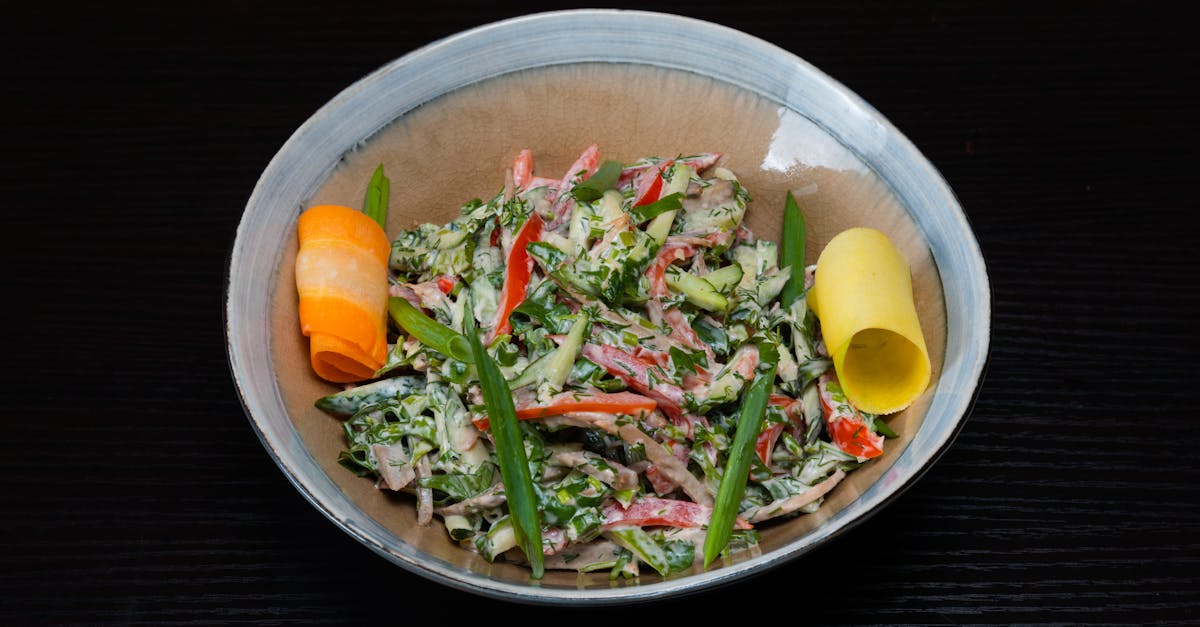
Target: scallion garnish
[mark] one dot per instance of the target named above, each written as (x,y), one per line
(791,251)
(510,451)
(737,466)
(375,205)
(428,331)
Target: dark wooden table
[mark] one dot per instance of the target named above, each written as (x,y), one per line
(135,491)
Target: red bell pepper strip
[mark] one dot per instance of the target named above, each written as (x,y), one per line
(682,332)
(626,403)
(661,483)
(541,181)
(446,283)
(656,273)
(845,423)
(637,374)
(766,442)
(516,279)
(523,169)
(648,185)
(651,511)
(779,400)
(584,166)
(696,162)
(614,403)
(769,435)
(651,357)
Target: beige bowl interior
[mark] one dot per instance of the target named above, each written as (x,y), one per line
(457,147)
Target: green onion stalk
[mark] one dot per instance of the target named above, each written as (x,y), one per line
(375,204)
(428,331)
(510,450)
(737,466)
(791,251)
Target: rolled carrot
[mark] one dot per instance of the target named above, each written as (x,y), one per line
(341,279)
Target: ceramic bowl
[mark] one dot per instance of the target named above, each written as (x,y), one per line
(447,118)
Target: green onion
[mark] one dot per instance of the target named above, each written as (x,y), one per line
(430,332)
(791,251)
(595,185)
(741,452)
(670,202)
(375,205)
(510,450)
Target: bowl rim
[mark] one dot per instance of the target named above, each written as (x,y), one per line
(281,445)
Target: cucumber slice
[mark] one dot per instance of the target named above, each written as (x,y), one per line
(660,227)
(723,279)
(347,402)
(553,367)
(497,540)
(698,291)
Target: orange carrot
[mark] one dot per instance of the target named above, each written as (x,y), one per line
(341,278)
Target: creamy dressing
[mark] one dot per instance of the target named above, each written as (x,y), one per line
(458,146)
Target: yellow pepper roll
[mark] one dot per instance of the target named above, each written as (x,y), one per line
(342,281)
(862,295)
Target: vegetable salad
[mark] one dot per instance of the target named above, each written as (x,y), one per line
(603,371)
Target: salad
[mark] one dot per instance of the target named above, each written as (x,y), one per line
(603,371)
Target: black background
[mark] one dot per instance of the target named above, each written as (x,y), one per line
(135,491)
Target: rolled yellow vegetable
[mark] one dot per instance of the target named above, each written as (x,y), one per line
(862,295)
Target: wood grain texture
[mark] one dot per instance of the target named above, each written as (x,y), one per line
(136,492)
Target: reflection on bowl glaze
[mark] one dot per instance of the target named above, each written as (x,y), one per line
(798,143)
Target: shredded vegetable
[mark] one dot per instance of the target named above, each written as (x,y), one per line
(603,369)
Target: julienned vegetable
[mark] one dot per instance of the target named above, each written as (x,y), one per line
(516,278)
(604,370)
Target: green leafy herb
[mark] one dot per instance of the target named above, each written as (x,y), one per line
(670,202)
(680,554)
(542,306)
(594,186)
(881,427)
(460,486)
(714,336)
(510,451)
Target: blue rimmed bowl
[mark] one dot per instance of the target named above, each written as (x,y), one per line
(445,120)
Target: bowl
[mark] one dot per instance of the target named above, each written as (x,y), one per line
(447,118)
